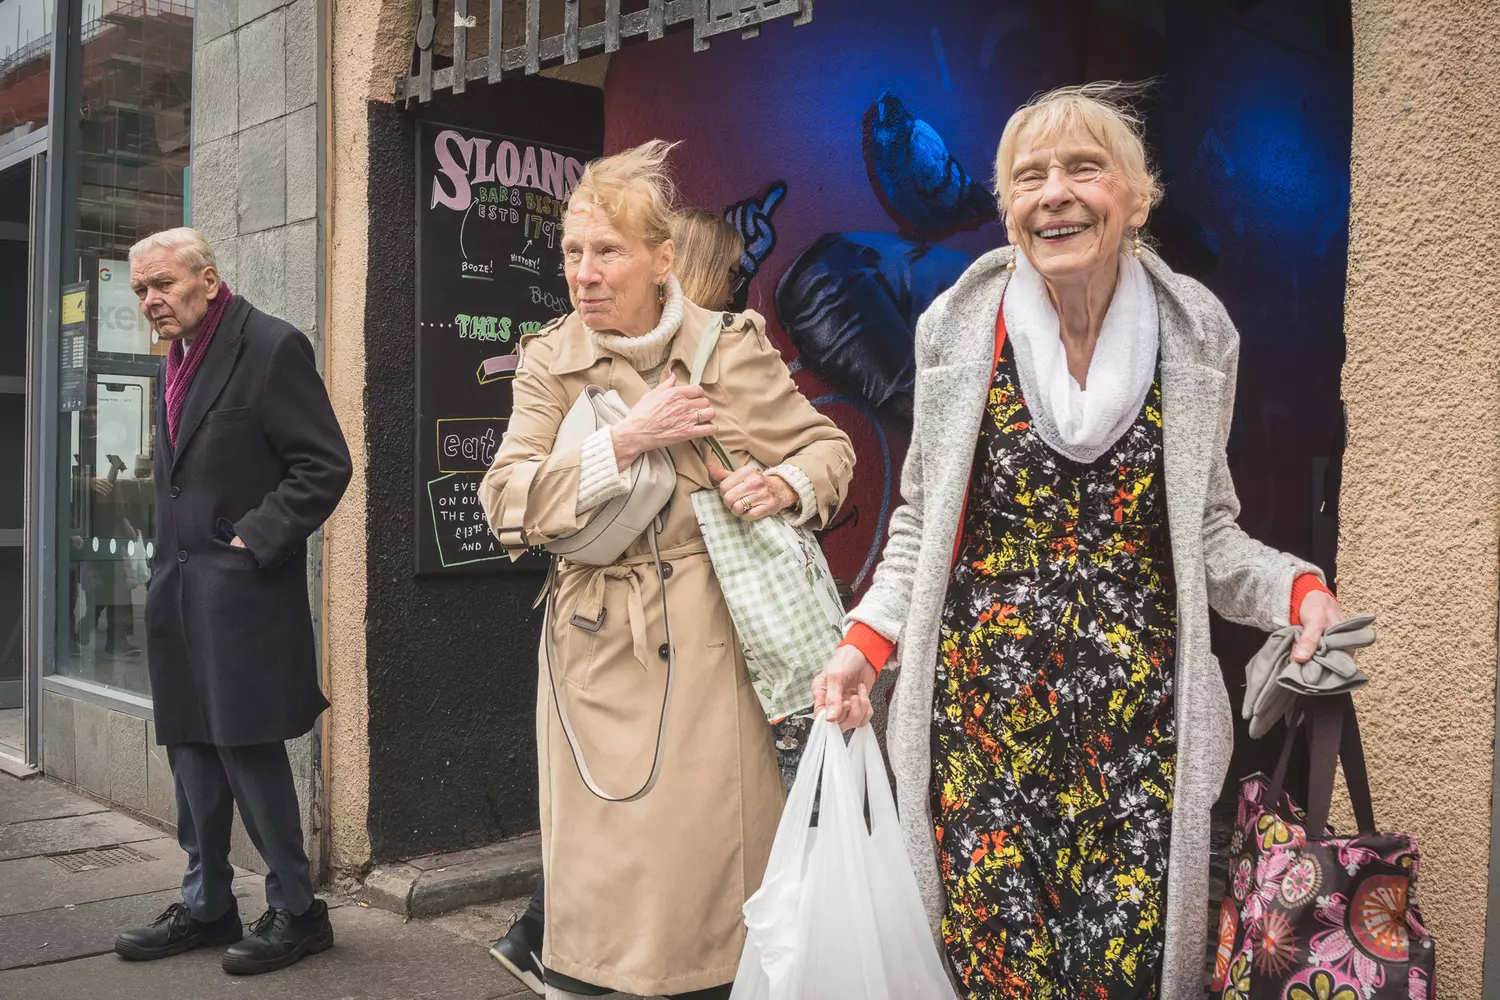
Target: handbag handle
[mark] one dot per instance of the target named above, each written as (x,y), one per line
(708,340)
(1332,728)
(666,695)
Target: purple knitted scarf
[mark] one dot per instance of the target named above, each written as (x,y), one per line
(182,363)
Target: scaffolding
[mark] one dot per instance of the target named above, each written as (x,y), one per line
(608,27)
(135,123)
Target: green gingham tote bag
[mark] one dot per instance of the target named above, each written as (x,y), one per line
(776,582)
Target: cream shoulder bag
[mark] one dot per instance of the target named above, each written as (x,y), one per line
(609,531)
(612,526)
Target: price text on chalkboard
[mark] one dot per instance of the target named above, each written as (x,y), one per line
(489,270)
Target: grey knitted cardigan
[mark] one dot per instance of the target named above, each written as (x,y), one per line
(1215,565)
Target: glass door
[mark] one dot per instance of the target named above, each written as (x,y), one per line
(16,276)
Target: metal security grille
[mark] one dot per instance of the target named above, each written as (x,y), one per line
(95,858)
(577,40)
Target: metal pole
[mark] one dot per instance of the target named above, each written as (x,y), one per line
(37,441)
(48,568)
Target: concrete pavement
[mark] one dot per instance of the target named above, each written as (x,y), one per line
(74,873)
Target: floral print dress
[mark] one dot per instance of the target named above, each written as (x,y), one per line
(1052,739)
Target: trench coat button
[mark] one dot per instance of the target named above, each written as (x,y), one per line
(666,571)
(663,650)
(182,555)
(176,492)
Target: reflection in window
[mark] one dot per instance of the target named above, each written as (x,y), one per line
(25,67)
(135,124)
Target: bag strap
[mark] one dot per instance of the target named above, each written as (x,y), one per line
(1336,738)
(708,341)
(1332,728)
(666,696)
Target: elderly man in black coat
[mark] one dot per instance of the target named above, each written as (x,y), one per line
(250,461)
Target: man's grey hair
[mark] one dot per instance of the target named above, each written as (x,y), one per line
(188,244)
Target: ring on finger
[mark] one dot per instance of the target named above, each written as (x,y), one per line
(747,505)
(698,417)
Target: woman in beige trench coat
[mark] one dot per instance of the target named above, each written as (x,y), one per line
(645,897)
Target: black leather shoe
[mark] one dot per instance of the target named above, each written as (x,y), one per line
(570,985)
(279,939)
(519,955)
(175,932)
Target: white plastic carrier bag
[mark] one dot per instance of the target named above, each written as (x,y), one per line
(838,916)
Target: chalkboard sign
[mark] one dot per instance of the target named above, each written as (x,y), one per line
(489,269)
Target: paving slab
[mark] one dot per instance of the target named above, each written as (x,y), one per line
(33,799)
(72,932)
(71,833)
(29,884)
(376,956)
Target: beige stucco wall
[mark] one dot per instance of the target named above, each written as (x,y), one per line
(370,43)
(1420,507)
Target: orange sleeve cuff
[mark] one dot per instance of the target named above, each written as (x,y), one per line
(876,647)
(1305,584)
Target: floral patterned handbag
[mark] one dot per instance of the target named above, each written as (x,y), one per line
(1311,915)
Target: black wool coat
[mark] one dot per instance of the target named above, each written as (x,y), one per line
(260,455)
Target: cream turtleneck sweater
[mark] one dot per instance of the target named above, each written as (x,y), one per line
(600,477)
(647,353)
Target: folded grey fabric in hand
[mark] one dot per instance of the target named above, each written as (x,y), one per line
(1273,681)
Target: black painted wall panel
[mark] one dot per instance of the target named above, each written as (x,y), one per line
(451,660)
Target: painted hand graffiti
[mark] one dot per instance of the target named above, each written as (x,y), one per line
(752,218)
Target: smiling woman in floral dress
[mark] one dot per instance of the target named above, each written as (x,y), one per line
(1060,727)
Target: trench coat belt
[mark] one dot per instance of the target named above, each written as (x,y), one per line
(588,610)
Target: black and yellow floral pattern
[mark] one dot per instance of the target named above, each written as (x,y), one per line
(1053,743)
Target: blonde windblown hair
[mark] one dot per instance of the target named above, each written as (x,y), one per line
(1104,110)
(634,188)
(707,247)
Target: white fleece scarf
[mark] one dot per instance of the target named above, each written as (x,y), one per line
(1081,424)
(648,350)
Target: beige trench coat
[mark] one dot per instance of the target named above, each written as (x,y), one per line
(645,897)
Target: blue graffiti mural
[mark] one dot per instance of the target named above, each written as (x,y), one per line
(887,487)
(925,188)
(850,302)
(752,219)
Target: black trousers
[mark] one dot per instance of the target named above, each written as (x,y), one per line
(535,919)
(210,782)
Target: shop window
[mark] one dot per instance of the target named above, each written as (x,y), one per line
(134,123)
(25,68)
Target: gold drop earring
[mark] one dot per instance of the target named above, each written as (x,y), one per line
(1137,246)
(1010,265)
(661,292)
